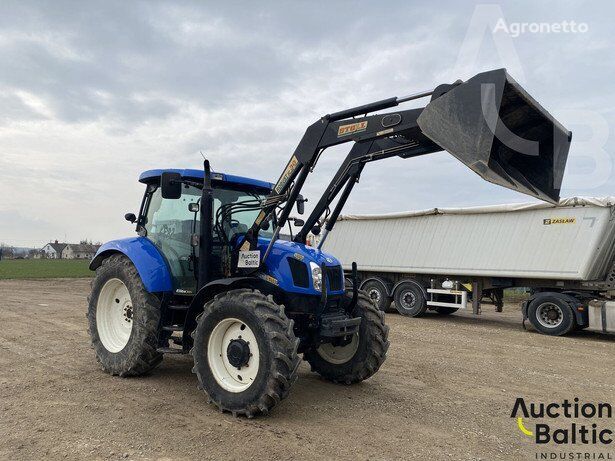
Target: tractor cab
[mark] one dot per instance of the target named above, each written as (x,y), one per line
(173,225)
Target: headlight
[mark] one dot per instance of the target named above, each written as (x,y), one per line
(316,276)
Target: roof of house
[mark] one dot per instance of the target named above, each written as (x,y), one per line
(58,247)
(82,247)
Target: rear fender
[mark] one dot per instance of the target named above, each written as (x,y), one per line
(148,261)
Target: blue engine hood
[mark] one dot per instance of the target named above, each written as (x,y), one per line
(278,268)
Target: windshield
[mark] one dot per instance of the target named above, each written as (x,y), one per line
(234,213)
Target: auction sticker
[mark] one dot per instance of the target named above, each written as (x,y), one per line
(249,259)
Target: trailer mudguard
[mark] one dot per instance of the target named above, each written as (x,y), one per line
(386,285)
(574,303)
(150,264)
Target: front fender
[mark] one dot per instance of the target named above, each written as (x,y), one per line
(212,289)
(150,264)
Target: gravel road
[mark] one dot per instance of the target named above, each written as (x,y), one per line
(445,392)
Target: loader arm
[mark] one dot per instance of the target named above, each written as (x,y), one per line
(329,131)
(349,172)
(489,122)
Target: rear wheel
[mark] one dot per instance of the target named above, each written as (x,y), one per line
(123,319)
(551,315)
(245,352)
(377,292)
(409,299)
(363,353)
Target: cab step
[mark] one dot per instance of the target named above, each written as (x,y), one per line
(173,328)
(170,350)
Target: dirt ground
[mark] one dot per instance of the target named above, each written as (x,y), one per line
(445,392)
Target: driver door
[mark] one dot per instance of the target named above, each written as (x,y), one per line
(169,225)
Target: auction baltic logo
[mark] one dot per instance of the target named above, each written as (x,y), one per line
(571,433)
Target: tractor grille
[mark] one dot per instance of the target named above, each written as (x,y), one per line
(335,277)
(299,271)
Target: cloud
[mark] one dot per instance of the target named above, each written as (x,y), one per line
(93,93)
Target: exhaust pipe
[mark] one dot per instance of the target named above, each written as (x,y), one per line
(491,124)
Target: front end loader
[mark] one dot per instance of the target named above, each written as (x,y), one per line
(210,273)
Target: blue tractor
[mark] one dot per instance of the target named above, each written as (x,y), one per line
(210,272)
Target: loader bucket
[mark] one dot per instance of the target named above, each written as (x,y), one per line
(496,128)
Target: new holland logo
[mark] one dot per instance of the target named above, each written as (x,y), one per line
(549,221)
(352,128)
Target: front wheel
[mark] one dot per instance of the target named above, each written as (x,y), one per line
(362,355)
(245,352)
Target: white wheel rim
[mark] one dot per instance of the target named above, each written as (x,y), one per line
(114,315)
(339,354)
(549,315)
(229,377)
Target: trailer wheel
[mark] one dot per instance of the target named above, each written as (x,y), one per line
(362,356)
(123,319)
(409,299)
(377,292)
(551,315)
(245,352)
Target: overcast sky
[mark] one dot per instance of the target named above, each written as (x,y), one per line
(92,93)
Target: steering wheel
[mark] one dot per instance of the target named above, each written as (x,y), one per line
(166,231)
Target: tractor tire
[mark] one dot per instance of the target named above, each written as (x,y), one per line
(245,352)
(446,310)
(363,356)
(551,315)
(377,292)
(409,299)
(123,319)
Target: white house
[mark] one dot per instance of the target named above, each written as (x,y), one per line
(53,250)
(79,251)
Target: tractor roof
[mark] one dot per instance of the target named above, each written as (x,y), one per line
(152,175)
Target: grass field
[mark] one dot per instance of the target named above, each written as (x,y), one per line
(44,268)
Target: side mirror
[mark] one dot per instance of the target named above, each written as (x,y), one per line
(171,186)
(130,217)
(193,207)
(316,230)
(301,204)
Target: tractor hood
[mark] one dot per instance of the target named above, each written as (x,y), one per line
(288,266)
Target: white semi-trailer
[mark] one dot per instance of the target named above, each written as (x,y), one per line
(445,259)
